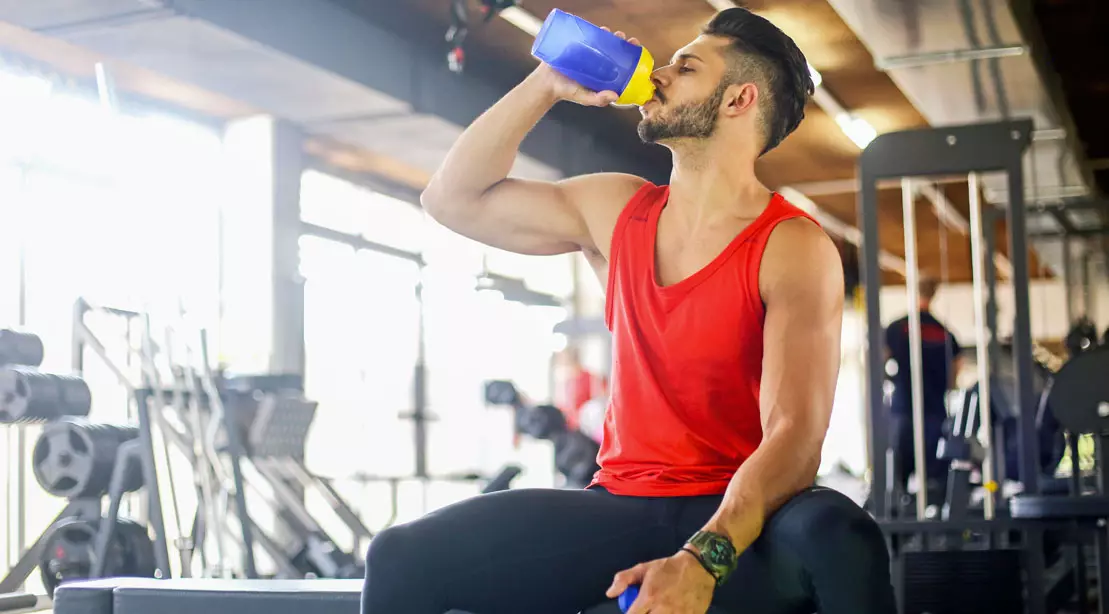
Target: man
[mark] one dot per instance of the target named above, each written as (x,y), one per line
(939,365)
(725,304)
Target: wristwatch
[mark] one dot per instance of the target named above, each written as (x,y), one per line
(715,552)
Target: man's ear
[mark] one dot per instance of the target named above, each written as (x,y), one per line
(740,98)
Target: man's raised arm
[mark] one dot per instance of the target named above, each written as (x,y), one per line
(472,195)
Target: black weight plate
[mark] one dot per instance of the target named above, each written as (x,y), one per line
(501,392)
(69,549)
(29,395)
(1058,507)
(64,460)
(75,458)
(1080,388)
(138,550)
(67,552)
(14,395)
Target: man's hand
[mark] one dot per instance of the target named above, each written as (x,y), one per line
(674,585)
(561,87)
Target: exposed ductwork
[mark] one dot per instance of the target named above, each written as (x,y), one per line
(969,61)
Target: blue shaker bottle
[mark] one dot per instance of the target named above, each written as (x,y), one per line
(627,598)
(596,59)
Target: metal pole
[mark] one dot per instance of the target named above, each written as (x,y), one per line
(1022,371)
(982,343)
(21,431)
(419,384)
(871,275)
(1087,288)
(989,222)
(916,366)
(1068,278)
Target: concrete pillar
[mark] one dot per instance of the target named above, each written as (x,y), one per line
(262,293)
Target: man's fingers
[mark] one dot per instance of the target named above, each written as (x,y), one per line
(626,578)
(621,34)
(597,99)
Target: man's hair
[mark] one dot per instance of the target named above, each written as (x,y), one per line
(928,287)
(764,54)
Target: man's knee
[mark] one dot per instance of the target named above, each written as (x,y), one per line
(391,562)
(820,524)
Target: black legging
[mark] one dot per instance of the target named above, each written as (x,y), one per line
(556,551)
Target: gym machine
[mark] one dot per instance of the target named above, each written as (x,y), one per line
(80,461)
(993,563)
(243,440)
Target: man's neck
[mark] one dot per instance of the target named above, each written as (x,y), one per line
(708,183)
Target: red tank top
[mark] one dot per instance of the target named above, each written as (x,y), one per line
(687,359)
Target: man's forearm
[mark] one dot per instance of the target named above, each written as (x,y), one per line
(484,154)
(769,478)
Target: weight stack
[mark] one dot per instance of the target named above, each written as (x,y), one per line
(961,582)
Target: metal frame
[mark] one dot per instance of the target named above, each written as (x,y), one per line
(29,560)
(84,338)
(956,150)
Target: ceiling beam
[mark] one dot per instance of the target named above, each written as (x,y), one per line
(1064,221)
(339,40)
(1100,231)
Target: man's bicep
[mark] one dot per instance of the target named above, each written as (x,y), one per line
(804,293)
(535,217)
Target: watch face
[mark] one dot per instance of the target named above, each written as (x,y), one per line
(718,551)
(718,554)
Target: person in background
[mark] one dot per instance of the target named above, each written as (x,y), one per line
(576,385)
(939,365)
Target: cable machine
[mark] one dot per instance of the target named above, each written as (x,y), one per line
(968,151)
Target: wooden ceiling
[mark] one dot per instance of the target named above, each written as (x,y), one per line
(818,151)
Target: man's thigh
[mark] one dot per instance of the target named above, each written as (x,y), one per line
(536,550)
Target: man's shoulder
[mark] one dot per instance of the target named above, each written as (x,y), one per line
(798,248)
(604,189)
(801,256)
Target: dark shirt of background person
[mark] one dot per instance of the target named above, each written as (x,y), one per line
(939,358)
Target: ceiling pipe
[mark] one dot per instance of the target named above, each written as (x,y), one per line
(949,57)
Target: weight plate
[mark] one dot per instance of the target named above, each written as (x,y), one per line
(28,395)
(14,395)
(74,458)
(138,550)
(69,550)
(1079,396)
(18,348)
(501,392)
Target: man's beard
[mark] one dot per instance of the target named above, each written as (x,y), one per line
(690,120)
